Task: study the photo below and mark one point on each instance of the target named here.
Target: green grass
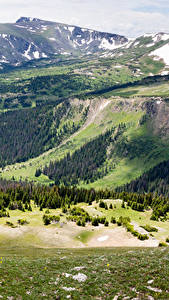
(104, 120)
(43, 274)
(145, 148)
(141, 218)
(70, 234)
(161, 90)
(84, 236)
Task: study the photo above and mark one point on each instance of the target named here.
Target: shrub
(106, 223)
(111, 206)
(113, 220)
(55, 218)
(150, 228)
(162, 244)
(123, 205)
(102, 220)
(10, 224)
(154, 217)
(143, 237)
(78, 222)
(167, 240)
(64, 210)
(95, 222)
(46, 220)
(4, 214)
(102, 204)
(22, 222)
(83, 223)
(119, 223)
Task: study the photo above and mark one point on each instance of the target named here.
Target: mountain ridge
(32, 38)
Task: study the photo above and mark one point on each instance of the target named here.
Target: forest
(83, 164)
(156, 180)
(15, 195)
(29, 132)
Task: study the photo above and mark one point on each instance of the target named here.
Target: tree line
(156, 180)
(27, 133)
(83, 164)
(15, 195)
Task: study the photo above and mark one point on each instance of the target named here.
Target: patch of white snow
(103, 238)
(162, 53)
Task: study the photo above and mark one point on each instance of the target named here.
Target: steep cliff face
(158, 114)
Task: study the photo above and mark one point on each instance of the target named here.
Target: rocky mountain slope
(32, 38)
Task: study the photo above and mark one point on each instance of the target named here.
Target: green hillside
(61, 106)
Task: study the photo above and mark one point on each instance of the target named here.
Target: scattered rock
(150, 281)
(80, 277)
(78, 268)
(154, 289)
(150, 298)
(68, 289)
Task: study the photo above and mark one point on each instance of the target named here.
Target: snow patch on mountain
(162, 53)
(52, 39)
(157, 37)
(105, 44)
(36, 54)
(26, 53)
(71, 28)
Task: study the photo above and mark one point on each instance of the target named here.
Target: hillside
(92, 119)
(32, 38)
(137, 142)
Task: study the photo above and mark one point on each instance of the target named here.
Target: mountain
(31, 38)
(97, 117)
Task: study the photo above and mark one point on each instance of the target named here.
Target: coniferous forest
(29, 132)
(156, 180)
(83, 164)
(15, 195)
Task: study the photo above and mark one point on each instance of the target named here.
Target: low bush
(95, 222)
(22, 222)
(10, 224)
(4, 214)
(106, 223)
(162, 244)
(113, 220)
(150, 228)
(47, 219)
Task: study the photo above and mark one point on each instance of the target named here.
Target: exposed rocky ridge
(31, 38)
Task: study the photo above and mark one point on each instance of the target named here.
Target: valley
(84, 163)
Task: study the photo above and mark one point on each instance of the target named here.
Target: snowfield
(162, 53)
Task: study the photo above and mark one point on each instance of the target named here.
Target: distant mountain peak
(27, 19)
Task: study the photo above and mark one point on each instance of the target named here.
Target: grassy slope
(109, 273)
(150, 149)
(102, 70)
(37, 272)
(56, 235)
(161, 90)
(103, 120)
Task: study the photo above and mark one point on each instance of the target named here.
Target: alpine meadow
(84, 162)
